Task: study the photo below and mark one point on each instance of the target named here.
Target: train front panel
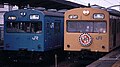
(86, 29)
(24, 30)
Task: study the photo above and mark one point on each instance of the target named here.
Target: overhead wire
(108, 2)
(80, 1)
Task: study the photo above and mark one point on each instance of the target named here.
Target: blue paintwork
(46, 41)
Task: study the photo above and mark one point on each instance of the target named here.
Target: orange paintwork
(72, 39)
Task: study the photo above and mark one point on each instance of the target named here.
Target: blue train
(33, 31)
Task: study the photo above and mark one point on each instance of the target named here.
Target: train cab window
(27, 27)
(100, 27)
(72, 27)
(24, 27)
(86, 27)
(80, 27)
(12, 27)
(48, 25)
(37, 27)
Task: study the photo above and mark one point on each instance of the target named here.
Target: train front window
(80, 27)
(12, 27)
(86, 27)
(100, 27)
(24, 27)
(37, 27)
(72, 27)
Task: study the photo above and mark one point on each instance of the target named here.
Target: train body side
(53, 32)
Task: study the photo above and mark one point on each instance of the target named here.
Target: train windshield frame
(87, 26)
(24, 27)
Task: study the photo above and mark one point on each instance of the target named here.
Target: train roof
(44, 12)
(111, 11)
(53, 13)
(49, 12)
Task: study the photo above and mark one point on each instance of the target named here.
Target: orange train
(97, 30)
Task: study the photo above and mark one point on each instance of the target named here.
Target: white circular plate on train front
(85, 39)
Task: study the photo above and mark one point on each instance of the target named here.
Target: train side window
(113, 26)
(119, 27)
(57, 27)
(47, 26)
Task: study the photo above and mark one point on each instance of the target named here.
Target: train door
(49, 32)
(57, 33)
(114, 31)
(117, 32)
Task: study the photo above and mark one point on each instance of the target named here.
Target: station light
(12, 18)
(98, 16)
(34, 17)
(73, 16)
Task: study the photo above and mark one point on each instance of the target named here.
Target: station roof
(48, 4)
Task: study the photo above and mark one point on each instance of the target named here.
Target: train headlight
(98, 16)
(86, 12)
(22, 13)
(73, 16)
(12, 18)
(34, 17)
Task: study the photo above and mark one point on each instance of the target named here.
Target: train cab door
(57, 32)
(49, 33)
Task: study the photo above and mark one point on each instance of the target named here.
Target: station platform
(112, 59)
